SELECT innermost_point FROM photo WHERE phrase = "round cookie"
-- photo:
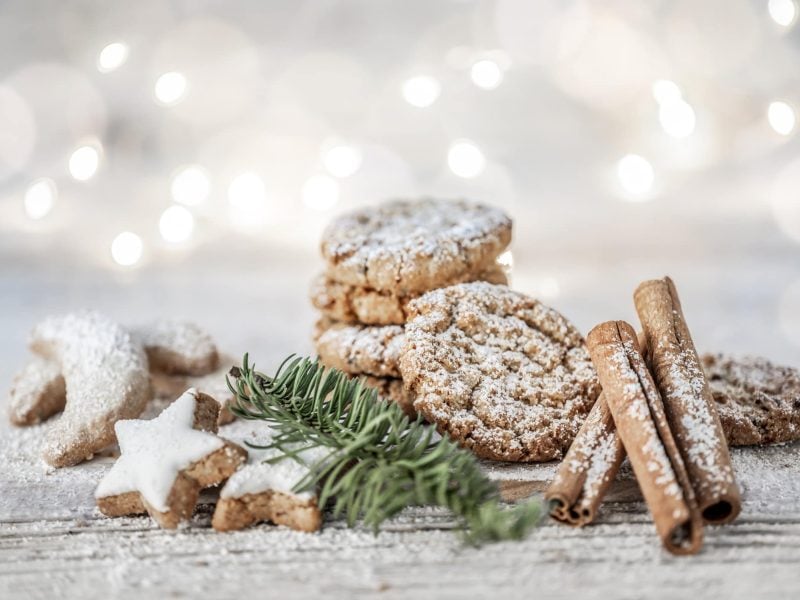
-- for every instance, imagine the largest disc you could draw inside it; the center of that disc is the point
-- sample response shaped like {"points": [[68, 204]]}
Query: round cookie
{"points": [[757, 402], [360, 349], [368, 306], [407, 246], [178, 347], [498, 371]]}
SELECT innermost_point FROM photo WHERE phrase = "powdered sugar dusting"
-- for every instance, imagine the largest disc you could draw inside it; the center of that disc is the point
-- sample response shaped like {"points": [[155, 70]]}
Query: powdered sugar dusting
{"points": [[414, 245], [106, 380], [38, 379], [357, 349], [504, 374], [757, 401], [258, 476], [153, 452], [183, 340], [637, 387]]}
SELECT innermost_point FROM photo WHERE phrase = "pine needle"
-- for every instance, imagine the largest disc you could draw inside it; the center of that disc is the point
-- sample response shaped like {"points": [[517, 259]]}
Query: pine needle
{"points": [[378, 461]]}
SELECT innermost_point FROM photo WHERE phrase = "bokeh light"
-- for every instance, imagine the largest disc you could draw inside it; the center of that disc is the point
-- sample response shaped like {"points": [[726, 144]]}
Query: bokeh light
{"points": [[320, 192], [421, 91], [18, 127], [190, 186], [486, 74], [126, 249], [466, 159], [677, 118], [83, 162], [665, 90], [40, 198], [636, 175], [781, 117], [176, 224], [247, 200], [783, 12], [170, 88], [112, 57], [342, 160]]}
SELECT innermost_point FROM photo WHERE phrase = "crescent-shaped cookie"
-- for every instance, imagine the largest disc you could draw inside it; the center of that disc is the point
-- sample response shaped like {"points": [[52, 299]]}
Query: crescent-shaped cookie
{"points": [[106, 377]]}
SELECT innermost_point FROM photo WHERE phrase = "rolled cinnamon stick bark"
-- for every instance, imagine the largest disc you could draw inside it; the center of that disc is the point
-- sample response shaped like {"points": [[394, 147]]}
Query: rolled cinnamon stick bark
{"points": [[588, 469], [638, 413], [688, 402]]}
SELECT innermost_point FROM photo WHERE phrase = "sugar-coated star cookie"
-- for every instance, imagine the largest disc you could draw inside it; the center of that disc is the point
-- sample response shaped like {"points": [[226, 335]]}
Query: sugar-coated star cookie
{"points": [[166, 387], [165, 462], [106, 378], [263, 491]]}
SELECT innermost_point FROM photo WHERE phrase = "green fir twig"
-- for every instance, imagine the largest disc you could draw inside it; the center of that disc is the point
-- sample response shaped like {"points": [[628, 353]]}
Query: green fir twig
{"points": [[377, 460]]}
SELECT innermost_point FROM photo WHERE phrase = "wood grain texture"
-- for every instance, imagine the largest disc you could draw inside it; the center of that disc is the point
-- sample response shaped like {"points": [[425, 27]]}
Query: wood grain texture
{"points": [[54, 543]]}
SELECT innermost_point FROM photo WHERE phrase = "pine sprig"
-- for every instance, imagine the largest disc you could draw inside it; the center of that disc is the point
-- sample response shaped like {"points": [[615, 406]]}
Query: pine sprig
{"points": [[377, 460]]}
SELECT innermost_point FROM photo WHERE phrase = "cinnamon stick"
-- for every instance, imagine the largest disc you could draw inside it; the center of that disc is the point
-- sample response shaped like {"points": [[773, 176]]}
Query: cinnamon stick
{"points": [[588, 469], [693, 419], [641, 422]]}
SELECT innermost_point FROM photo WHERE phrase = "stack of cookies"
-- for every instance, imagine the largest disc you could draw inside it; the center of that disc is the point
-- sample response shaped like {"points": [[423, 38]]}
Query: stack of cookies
{"points": [[380, 258]]}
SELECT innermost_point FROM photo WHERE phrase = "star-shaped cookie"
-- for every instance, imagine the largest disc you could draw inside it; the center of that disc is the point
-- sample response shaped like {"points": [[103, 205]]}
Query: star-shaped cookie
{"points": [[264, 491], [165, 462]]}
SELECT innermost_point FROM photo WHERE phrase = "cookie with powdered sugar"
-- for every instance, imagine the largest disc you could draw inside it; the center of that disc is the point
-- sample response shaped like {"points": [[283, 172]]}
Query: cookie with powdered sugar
{"points": [[264, 489], [757, 401], [164, 462], [360, 349], [408, 246], [368, 306], [501, 373], [105, 376], [178, 347]]}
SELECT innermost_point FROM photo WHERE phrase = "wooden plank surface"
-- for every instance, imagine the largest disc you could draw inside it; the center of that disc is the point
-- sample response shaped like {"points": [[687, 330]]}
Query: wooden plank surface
{"points": [[53, 543]]}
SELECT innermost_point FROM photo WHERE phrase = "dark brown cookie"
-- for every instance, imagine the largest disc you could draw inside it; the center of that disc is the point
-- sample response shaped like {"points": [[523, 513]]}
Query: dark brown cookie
{"points": [[757, 402]]}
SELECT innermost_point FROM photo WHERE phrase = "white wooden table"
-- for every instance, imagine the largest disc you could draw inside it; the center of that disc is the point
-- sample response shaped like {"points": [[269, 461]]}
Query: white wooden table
{"points": [[54, 543]]}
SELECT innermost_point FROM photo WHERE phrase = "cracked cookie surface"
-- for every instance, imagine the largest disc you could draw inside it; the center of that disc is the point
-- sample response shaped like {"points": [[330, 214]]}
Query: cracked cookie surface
{"points": [[757, 401], [500, 372], [407, 246], [359, 304]]}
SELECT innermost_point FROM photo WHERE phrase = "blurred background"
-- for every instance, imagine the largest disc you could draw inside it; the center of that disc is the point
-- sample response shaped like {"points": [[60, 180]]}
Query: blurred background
{"points": [[181, 158]]}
